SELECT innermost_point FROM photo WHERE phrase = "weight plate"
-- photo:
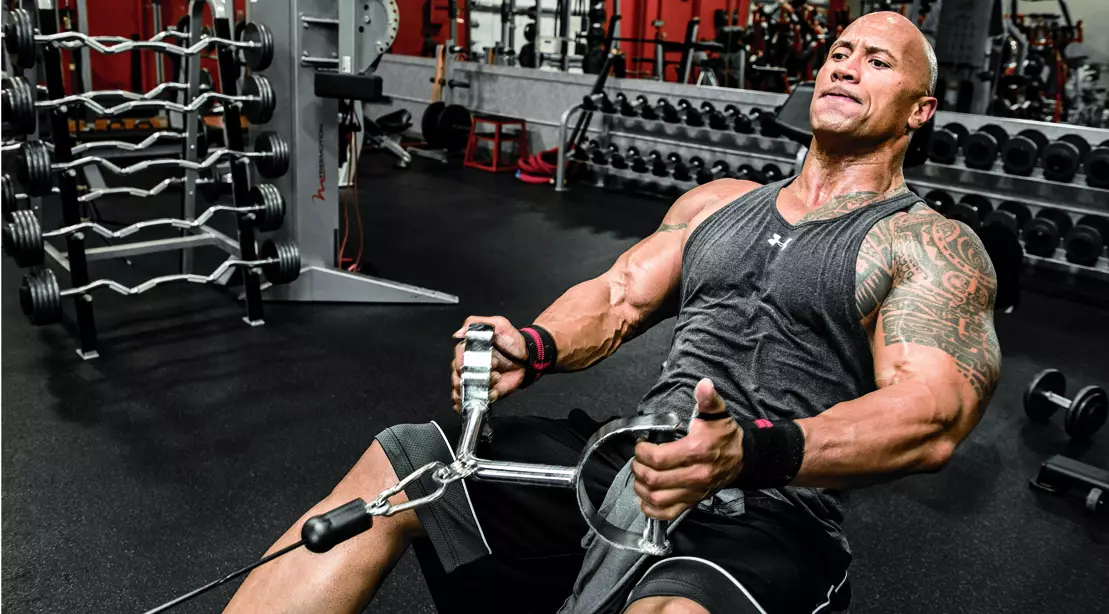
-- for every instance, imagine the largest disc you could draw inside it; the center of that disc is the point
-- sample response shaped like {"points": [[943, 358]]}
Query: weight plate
{"points": [[276, 162], [1081, 144], [939, 200], [23, 238], [980, 150], [1097, 167], [454, 127], [260, 56], [272, 215], [943, 147], [980, 203], [33, 168], [1097, 222], [1061, 219], [1094, 500], [1087, 412], [1036, 137], [8, 191], [1060, 160], [960, 131], [962, 212], [527, 57], [1083, 245], [1004, 219], [23, 33], [1018, 156], [287, 265], [594, 61], [260, 110], [19, 105], [1020, 210], [429, 124], [1041, 237], [529, 32], [997, 132], [40, 298], [1036, 403]]}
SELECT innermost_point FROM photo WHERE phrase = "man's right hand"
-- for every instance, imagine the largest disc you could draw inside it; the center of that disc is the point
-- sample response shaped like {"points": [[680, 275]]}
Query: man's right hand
{"points": [[507, 375]]}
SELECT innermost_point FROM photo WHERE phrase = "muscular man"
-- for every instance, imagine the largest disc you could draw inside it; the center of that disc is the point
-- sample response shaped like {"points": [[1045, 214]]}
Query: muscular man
{"points": [[845, 328]]}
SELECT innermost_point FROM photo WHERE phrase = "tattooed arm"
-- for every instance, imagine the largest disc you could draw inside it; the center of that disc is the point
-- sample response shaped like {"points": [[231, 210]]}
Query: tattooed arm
{"points": [[936, 356], [591, 320]]}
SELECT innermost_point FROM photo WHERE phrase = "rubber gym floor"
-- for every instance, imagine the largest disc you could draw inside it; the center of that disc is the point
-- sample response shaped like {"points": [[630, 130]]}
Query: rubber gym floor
{"points": [[195, 440]]}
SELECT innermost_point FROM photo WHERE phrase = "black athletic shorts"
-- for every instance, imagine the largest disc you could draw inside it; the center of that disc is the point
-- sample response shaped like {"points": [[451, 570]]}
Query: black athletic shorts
{"points": [[496, 547]]}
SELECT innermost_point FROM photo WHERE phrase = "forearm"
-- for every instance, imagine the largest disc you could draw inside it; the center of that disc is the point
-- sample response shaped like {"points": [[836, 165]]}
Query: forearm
{"points": [[902, 429], [587, 323]]}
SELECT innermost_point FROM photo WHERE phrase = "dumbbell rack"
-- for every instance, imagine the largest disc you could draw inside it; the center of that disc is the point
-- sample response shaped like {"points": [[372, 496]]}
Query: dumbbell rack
{"points": [[242, 250], [1076, 198], [685, 140]]}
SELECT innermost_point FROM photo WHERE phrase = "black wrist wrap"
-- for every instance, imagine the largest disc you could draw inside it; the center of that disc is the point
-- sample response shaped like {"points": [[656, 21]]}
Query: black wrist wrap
{"points": [[772, 453], [542, 353]]}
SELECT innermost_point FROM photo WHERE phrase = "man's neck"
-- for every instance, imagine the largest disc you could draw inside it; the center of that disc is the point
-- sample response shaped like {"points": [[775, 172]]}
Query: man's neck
{"points": [[829, 175]]}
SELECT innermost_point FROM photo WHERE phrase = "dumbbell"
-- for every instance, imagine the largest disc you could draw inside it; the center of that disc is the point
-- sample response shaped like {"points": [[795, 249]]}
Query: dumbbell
{"points": [[719, 169], [765, 122], [678, 170], [945, 143], [668, 112], [1097, 167], [1041, 234], [640, 108], [623, 105], [1010, 215], [1063, 158], [939, 200], [713, 117], [656, 163], [585, 154], [750, 173], [1085, 242], [598, 102], [634, 160], [603, 155], [738, 122], [971, 210], [1020, 153], [772, 173], [690, 116], [1086, 412], [980, 150]]}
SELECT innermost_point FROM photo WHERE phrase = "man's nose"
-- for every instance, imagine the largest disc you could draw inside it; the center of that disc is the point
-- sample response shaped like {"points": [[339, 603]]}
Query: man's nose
{"points": [[846, 71]]}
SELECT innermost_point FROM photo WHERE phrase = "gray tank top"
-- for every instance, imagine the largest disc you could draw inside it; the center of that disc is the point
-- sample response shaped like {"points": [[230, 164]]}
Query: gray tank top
{"points": [[768, 313]]}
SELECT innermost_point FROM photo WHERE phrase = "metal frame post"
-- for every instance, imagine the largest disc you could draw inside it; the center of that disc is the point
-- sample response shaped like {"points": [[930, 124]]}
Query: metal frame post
{"points": [[67, 187]]}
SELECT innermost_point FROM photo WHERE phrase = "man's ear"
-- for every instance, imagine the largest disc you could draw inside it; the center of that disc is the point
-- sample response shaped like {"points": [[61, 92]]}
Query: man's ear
{"points": [[923, 111]]}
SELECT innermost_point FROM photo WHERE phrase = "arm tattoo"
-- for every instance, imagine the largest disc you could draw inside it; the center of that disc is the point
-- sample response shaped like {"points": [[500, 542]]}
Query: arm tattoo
{"points": [[669, 227], [873, 272], [845, 203], [943, 295]]}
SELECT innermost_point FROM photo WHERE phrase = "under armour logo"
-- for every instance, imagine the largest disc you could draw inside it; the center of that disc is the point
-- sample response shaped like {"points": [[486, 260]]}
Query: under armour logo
{"points": [[777, 240]]}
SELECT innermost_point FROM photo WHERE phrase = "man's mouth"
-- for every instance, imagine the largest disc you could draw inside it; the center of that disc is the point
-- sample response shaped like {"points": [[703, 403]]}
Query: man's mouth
{"points": [[839, 94]]}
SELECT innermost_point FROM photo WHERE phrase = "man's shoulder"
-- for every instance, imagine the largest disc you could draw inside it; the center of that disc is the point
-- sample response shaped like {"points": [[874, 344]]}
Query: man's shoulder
{"points": [[921, 236], [711, 196]]}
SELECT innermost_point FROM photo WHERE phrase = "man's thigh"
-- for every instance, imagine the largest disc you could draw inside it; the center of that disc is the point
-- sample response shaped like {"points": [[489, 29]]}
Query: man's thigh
{"points": [[498, 543], [770, 560]]}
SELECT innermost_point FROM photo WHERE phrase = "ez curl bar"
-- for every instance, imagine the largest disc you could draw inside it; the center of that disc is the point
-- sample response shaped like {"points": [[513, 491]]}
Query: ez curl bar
{"points": [[323, 532]]}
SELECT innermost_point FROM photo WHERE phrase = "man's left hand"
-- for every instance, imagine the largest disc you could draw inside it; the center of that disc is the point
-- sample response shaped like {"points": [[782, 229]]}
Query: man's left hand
{"points": [[671, 477]]}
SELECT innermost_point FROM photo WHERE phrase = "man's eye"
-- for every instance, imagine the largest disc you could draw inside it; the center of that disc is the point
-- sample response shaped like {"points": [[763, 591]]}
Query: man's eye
{"points": [[880, 64], [838, 56]]}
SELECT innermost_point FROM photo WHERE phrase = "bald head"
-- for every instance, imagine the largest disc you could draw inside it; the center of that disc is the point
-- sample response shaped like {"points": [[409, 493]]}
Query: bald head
{"points": [[916, 49]]}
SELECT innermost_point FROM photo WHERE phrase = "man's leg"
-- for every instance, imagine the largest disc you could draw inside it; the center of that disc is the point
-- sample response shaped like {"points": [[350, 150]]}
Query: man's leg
{"points": [[345, 578]]}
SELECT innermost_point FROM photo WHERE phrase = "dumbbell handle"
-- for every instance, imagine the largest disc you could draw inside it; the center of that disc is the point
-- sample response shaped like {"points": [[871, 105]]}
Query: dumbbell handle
{"points": [[1059, 400], [157, 281], [119, 44]]}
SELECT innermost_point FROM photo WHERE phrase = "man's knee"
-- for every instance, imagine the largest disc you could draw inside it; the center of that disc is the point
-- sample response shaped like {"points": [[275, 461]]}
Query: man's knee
{"points": [[665, 605]]}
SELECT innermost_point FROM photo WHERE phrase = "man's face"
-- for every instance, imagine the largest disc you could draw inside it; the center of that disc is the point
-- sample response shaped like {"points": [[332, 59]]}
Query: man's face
{"points": [[873, 84]]}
